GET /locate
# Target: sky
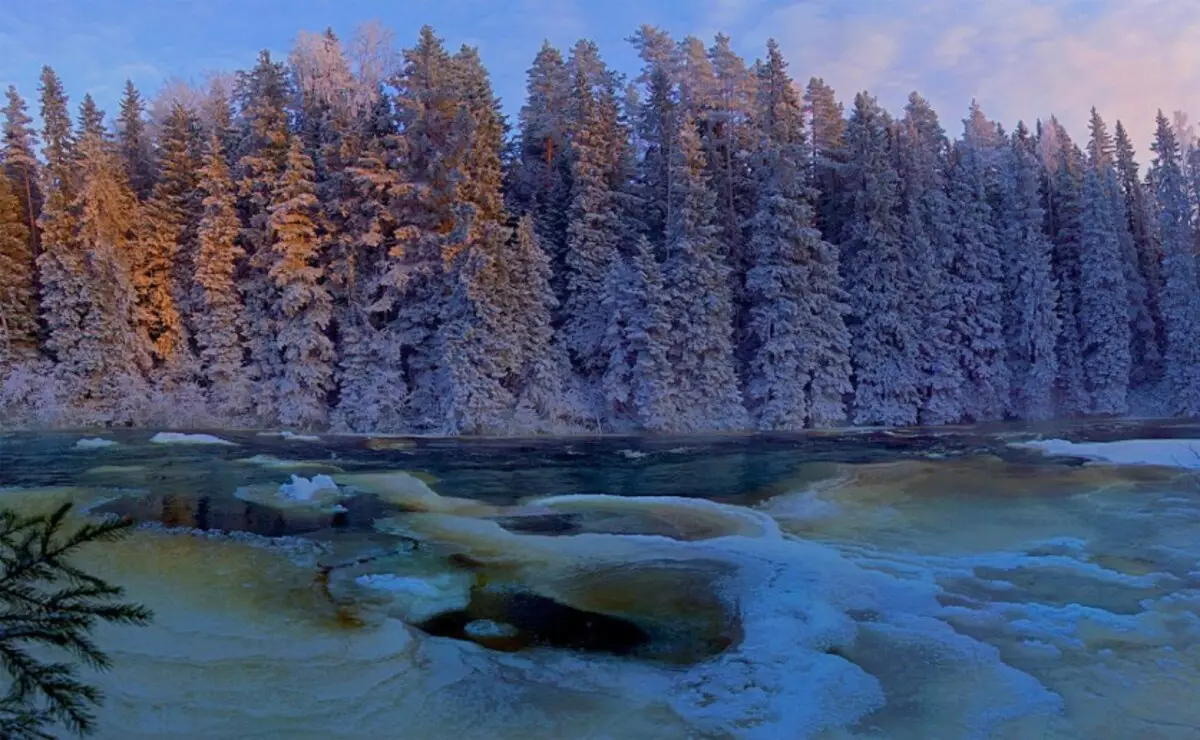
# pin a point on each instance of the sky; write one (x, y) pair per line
(1021, 59)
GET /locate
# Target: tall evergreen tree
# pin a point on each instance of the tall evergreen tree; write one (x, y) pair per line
(922, 162)
(799, 362)
(697, 293)
(18, 149)
(827, 144)
(137, 155)
(1031, 320)
(300, 302)
(976, 272)
(1107, 301)
(884, 344)
(18, 304)
(1064, 169)
(1148, 331)
(105, 363)
(261, 154)
(539, 179)
(218, 305)
(593, 228)
(1181, 294)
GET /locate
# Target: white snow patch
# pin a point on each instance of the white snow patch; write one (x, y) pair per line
(417, 600)
(1175, 453)
(94, 443)
(633, 454)
(293, 437)
(169, 438)
(305, 489)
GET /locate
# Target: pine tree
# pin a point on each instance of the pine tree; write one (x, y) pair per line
(300, 302)
(976, 272)
(794, 333)
(91, 120)
(48, 602)
(1106, 302)
(1063, 164)
(1181, 295)
(1031, 321)
(166, 254)
(18, 304)
(827, 143)
(218, 304)
(593, 227)
(884, 344)
(1148, 332)
(922, 161)
(638, 382)
(697, 293)
(261, 154)
(539, 179)
(137, 156)
(372, 387)
(18, 151)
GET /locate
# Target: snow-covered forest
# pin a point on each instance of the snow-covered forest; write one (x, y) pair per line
(356, 238)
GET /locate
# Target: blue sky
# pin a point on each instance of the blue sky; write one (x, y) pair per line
(1020, 58)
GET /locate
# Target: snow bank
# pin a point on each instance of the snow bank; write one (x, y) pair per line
(94, 443)
(804, 612)
(307, 489)
(178, 438)
(416, 600)
(1175, 453)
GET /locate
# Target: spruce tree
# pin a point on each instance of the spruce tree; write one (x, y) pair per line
(795, 324)
(18, 302)
(18, 147)
(48, 602)
(975, 272)
(91, 121)
(1181, 295)
(827, 145)
(261, 152)
(299, 301)
(1148, 332)
(696, 282)
(137, 156)
(1031, 321)
(884, 343)
(218, 304)
(593, 227)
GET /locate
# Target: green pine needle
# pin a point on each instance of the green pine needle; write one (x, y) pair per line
(46, 602)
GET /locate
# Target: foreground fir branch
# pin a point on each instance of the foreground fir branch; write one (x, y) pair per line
(45, 601)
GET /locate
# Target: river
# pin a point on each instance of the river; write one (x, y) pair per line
(909, 584)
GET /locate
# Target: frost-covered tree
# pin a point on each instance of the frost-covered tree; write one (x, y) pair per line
(105, 362)
(18, 150)
(166, 258)
(799, 348)
(928, 239)
(593, 227)
(1031, 321)
(1148, 332)
(1181, 295)
(1063, 187)
(1106, 305)
(137, 154)
(975, 271)
(884, 344)
(218, 305)
(539, 178)
(263, 138)
(827, 146)
(18, 304)
(300, 303)
(372, 388)
(696, 285)
(91, 121)
(638, 383)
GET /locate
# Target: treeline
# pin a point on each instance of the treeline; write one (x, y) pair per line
(357, 239)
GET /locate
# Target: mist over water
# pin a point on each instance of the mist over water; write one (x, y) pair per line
(903, 584)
